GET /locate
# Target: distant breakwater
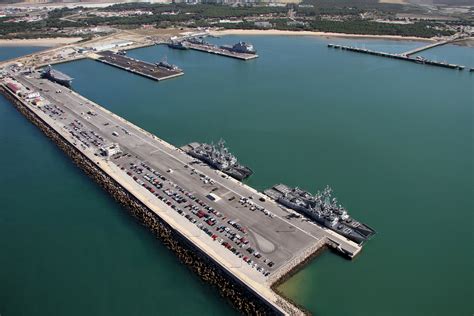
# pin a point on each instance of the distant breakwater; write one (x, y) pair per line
(237, 294)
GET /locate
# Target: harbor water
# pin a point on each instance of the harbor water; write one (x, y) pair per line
(393, 139)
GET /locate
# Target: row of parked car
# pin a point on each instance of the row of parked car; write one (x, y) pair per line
(246, 202)
(52, 111)
(231, 236)
(76, 129)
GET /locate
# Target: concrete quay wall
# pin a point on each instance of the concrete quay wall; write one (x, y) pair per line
(236, 293)
(290, 269)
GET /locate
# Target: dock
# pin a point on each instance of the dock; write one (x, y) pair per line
(240, 232)
(213, 49)
(403, 56)
(423, 48)
(139, 67)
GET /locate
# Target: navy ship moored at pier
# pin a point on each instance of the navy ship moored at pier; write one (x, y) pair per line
(241, 47)
(164, 64)
(178, 45)
(56, 76)
(323, 208)
(219, 157)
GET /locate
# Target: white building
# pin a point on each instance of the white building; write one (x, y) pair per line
(110, 150)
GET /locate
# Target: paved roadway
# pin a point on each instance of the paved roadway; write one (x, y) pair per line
(278, 238)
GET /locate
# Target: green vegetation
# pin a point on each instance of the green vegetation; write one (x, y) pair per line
(355, 4)
(201, 15)
(420, 29)
(45, 28)
(60, 13)
(341, 16)
(200, 10)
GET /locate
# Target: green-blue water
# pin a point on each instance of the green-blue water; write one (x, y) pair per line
(8, 52)
(394, 140)
(68, 249)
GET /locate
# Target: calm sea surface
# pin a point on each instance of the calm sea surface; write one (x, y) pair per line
(394, 140)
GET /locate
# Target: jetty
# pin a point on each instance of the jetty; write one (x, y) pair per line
(139, 67)
(423, 48)
(403, 56)
(233, 236)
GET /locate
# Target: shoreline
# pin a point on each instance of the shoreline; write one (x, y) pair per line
(319, 34)
(46, 42)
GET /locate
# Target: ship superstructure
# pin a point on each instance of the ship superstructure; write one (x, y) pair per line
(197, 41)
(240, 50)
(241, 47)
(219, 157)
(178, 45)
(56, 76)
(322, 208)
(164, 64)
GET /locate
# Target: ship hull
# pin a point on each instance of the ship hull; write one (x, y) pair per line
(360, 228)
(349, 228)
(231, 49)
(57, 77)
(237, 172)
(66, 83)
(180, 47)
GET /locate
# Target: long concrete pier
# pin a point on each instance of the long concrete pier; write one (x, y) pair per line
(418, 60)
(423, 48)
(246, 241)
(139, 67)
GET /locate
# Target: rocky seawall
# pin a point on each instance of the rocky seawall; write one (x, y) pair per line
(236, 293)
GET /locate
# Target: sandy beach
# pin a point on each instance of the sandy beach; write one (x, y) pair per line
(47, 42)
(321, 34)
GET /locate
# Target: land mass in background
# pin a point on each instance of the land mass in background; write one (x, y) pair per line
(362, 17)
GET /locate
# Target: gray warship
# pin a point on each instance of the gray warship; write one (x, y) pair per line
(241, 47)
(219, 157)
(322, 208)
(56, 76)
(164, 64)
(178, 45)
(197, 40)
